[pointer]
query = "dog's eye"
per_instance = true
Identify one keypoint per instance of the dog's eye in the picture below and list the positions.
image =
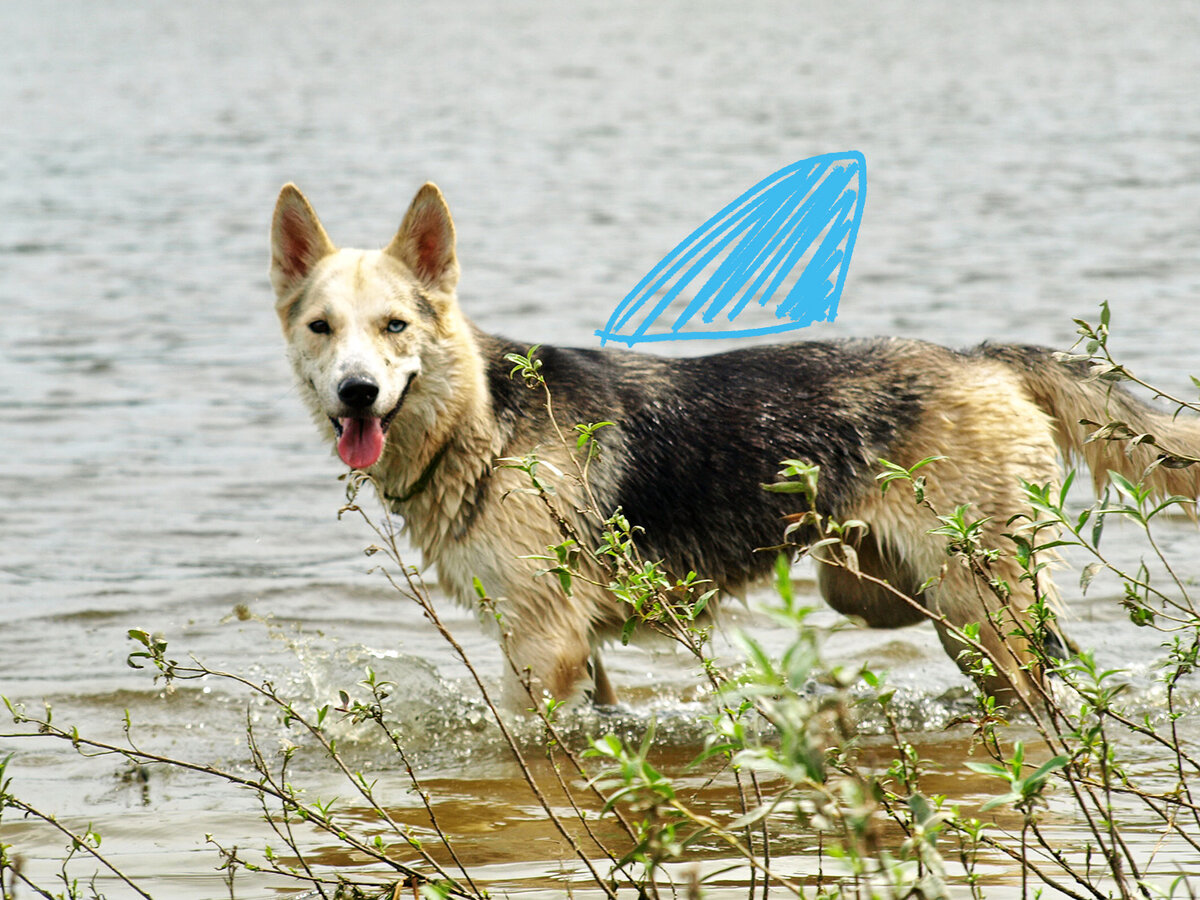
(395, 326)
(318, 326)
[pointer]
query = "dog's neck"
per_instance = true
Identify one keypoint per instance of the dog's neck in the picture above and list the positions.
(433, 465)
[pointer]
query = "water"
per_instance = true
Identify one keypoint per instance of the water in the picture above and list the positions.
(1025, 162)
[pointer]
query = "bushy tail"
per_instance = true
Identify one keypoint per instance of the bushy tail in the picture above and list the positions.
(1068, 394)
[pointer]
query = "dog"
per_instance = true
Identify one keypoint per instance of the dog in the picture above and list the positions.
(408, 389)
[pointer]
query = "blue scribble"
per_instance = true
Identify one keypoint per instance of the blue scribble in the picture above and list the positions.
(811, 208)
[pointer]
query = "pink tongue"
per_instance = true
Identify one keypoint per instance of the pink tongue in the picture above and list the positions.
(361, 442)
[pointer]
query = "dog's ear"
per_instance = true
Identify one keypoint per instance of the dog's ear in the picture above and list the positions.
(425, 241)
(298, 242)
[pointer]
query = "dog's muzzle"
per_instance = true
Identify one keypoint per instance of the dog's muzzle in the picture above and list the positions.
(361, 437)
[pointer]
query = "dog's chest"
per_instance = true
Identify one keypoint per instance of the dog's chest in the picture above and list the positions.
(487, 535)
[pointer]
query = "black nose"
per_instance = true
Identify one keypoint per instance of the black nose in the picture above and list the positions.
(357, 392)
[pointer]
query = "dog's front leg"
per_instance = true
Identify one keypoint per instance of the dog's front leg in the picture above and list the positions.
(547, 659)
(602, 692)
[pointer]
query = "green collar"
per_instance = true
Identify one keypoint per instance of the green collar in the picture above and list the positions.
(422, 482)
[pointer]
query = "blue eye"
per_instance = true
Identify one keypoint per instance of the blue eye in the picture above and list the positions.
(395, 326)
(318, 326)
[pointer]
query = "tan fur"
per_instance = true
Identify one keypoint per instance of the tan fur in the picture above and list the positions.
(1072, 400)
(996, 425)
(992, 433)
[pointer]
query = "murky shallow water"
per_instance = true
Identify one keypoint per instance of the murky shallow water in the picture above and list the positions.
(1025, 162)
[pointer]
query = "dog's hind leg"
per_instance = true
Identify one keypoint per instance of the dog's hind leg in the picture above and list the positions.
(846, 590)
(1009, 667)
(955, 600)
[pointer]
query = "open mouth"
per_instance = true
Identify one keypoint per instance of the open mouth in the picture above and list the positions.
(360, 438)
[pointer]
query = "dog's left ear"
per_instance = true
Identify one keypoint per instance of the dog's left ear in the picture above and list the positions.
(425, 241)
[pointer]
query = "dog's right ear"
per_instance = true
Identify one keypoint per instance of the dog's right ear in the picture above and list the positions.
(298, 242)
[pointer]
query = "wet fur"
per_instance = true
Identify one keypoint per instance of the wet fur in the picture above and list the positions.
(692, 442)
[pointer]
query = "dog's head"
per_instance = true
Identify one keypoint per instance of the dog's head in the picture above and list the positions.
(359, 323)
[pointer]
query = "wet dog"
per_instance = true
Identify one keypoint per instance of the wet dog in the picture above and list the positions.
(408, 389)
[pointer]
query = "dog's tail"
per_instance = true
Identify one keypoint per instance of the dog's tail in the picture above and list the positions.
(1117, 440)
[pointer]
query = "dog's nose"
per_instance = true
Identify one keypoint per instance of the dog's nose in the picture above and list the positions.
(357, 392)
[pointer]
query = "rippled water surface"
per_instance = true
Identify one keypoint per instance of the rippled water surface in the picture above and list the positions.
(1025, 161)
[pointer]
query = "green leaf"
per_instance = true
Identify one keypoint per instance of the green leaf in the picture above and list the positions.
(1010, 797)
(1123, 483)
(988, 769)
(786, 487)
(1088, 573)
(1046, 768)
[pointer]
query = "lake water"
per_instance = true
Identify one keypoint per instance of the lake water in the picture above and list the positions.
(1025, 162)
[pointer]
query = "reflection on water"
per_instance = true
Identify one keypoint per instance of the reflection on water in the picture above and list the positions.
(1027, 161)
